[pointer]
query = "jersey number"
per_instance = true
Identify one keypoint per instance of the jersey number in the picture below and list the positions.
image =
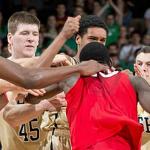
(27, 135)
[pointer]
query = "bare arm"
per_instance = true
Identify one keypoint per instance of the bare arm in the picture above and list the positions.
(51, 91)
(16, 115)
(117, 10)
(19, 112)
(3, 101)
(7, 86)
(143, 91)
(70, 27)
(54, 89)
(41, 77)
(64, 85)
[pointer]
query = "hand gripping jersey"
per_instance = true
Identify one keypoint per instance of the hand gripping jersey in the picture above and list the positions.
(102, 112)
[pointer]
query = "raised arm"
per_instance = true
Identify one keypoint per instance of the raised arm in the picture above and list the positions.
(70, 27)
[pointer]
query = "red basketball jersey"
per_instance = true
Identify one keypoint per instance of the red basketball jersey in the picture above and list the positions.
(100, 108)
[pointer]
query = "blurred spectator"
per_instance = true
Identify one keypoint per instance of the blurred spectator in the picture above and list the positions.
(123, 37)
(78, 10)
(108, 8)
(3, 27)
(125, 9)
(32, 10)
(42, 43)
(79, 2)
(114, 54)
(97, 7)
(100, 10)
(61, 15)
(136, 24)
(127, 51)
(113, 29)
(5, 52)
(147, 21)
(146, 40)
(51, 29)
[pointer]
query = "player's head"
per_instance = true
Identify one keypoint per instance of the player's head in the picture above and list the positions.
(23, 34)
(95, 51)
(92, 28)
(142, 58)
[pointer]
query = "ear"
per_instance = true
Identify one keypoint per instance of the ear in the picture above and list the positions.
(78, 39)
(9, 38)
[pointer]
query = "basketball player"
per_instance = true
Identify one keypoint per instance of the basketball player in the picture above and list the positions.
(102, 109)
(142, 69)
(92, 28)
(23, 42)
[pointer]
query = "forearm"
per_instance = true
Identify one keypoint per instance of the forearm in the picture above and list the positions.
(33, 78)
(70, 27)
(6, 86)
(45, 77)
(50, 92)
(20, 114)
(3, 101)
(48, 55)
(102, 11)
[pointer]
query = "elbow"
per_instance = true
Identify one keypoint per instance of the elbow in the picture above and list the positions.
(8, 117)
(32, 82)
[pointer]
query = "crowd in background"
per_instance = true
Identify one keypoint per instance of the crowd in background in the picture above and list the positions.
(128, 22)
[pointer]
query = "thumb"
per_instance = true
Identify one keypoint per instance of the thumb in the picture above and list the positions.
(78, 17)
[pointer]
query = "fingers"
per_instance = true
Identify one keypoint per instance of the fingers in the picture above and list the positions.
(71, 26)
(61, 60)
(37, 92)
(78, 17)
(138, 71)
(73, 23)
(59, 99)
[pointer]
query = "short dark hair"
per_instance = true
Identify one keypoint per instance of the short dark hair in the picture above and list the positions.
(95, 51)
(88, 21)
(144, 49)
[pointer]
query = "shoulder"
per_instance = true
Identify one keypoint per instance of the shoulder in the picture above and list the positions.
(67, 84)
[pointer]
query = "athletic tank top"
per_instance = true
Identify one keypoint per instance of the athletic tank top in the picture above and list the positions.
(28, 136)
(99, 108)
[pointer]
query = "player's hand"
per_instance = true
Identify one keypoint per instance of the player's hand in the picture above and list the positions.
(127, 71)
(61, 60)
(144, 74)
(37, 92)
(91, 67)
(71, 26)
(59, 98)
(46, 105)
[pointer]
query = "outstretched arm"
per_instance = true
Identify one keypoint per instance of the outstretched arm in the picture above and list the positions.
(65, 85)
(143, 91)
(42, 77)
(15, 114)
